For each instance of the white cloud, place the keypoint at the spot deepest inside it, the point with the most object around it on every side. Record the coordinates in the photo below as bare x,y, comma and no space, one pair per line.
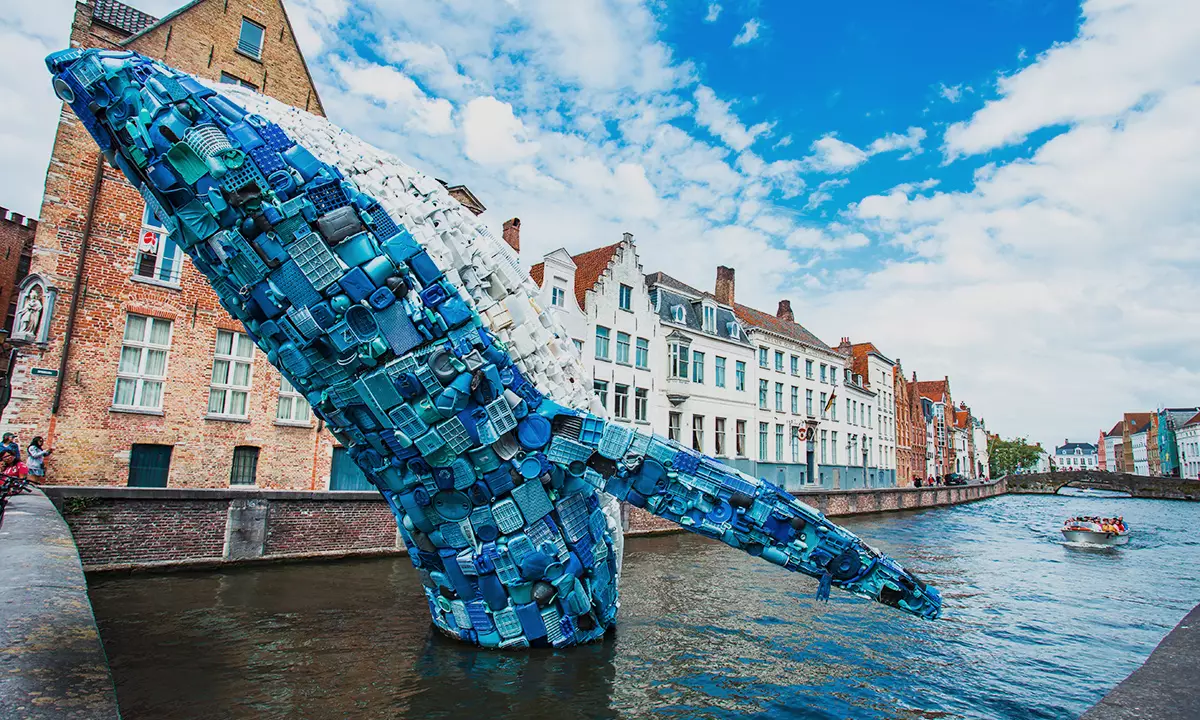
811,238
823,193
952,93
1126,53
429,62
748,32
714,11
828,154
784,141
493,135
714,114
910,141
399,94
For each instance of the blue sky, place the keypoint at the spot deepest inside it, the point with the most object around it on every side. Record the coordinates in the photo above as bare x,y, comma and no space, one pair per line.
1002,192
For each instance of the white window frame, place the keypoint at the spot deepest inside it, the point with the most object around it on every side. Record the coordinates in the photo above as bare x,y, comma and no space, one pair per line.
140,377
625,297
246,49
674,425
621,402
602,340
150,224
558,296
628,343
228,389
698,433
710,319
296,404
641,404
641,353
600,390
719,437
739,438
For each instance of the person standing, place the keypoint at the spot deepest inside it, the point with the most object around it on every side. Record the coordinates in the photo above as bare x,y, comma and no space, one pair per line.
37,455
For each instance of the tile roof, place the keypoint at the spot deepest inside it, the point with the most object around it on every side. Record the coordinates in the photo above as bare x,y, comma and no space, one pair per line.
1116,429
668,293
932,389
1137,422
1193,421
793,330
589,266
121,16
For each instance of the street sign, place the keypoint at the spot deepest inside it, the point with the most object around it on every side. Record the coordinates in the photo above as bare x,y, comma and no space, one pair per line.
44,372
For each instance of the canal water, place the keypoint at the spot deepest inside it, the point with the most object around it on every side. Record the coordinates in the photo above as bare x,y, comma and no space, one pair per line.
1032,629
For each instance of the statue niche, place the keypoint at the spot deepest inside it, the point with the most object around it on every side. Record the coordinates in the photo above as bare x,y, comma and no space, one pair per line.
35,306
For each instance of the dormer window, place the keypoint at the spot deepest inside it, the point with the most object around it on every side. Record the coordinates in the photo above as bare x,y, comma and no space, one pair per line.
735,330
677,313
557,296
710,319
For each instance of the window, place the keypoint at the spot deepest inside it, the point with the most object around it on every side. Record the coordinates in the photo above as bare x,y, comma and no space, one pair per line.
159,257
245,465
778,361
739,371
832,375
293,409
710,319
230,388
740,438
677,356
698,367
600,389
778,443
625,297
870,420
143,364
762,357
762,441
558,296
762,394
833,408
698,433
641,356
795,364
795,400
578,346
833,442
778,397
623,348
641,400
719,371
824,368
808,365
149,465
234,80
808,402
601,342
824,439
824,406
719,437
250,41
735,330
795,444
673,422
677,313
849,415
621,401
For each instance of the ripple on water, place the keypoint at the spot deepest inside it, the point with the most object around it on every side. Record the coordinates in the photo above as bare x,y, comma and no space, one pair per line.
1033,629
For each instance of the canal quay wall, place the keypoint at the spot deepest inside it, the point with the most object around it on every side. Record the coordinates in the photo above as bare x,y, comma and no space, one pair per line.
138,529
53,663
1139,486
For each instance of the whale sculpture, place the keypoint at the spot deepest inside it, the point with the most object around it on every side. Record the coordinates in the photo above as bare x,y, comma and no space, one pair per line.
415,335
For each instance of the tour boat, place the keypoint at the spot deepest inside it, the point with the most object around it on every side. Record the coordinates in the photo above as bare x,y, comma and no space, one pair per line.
1092,531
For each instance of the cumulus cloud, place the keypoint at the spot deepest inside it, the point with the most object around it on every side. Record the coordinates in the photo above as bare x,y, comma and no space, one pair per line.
714,12
429,62
748,32
830,154
909,141
398,92
952,93
493,135
823,193
715,115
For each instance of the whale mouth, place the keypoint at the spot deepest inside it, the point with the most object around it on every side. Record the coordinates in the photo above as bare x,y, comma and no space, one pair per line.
416,337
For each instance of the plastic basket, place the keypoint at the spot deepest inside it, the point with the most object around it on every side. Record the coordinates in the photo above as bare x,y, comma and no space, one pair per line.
532,500
573,516
508,517
316,261
507,624
207,141
614,442
501,416
458,439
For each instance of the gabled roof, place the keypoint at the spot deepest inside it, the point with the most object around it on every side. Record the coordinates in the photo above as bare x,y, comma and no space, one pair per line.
165,19
792,330
932,389
1137,422
962,418
121,16
589,266
668,293
1176,417
1193,421
1116,429
1071,447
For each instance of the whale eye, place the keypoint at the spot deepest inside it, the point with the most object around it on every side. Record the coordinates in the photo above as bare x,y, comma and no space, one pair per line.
63,91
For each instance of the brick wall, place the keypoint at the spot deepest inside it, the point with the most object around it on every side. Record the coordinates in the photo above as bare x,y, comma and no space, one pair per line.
91,441
111,531
16,242
303,526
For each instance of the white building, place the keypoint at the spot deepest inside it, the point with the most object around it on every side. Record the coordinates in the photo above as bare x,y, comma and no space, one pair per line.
1141,461
962,440
1074,456
1187,438
1114,445
876,374
982,470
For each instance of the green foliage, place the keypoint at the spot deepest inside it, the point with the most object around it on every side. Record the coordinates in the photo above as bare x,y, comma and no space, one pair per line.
77,505
1009,456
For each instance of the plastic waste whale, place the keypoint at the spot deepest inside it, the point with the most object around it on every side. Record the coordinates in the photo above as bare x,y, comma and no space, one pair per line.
415,335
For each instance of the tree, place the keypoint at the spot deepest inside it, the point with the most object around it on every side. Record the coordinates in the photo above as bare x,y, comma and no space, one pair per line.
1009,456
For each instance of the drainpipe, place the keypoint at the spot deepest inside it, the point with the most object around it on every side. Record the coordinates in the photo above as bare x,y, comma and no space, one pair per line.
312,485
76,293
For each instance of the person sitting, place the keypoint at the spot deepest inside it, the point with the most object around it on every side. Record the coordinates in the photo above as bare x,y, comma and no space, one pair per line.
9,443
13,470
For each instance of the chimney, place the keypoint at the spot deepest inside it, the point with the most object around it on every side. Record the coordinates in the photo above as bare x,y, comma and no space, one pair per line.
785,311
724,289
844,346
512,234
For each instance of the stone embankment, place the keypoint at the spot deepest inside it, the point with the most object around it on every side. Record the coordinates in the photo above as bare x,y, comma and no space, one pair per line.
1139,486
53,663
120,529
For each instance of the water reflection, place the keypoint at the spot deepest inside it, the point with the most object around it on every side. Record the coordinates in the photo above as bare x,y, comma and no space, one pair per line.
1033,629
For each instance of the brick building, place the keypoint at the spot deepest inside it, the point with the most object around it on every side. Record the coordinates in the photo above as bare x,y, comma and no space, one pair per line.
137,375
938,393
16,247
910,430
1134,423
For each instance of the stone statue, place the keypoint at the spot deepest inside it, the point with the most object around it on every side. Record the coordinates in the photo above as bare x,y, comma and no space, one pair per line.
416,336
29,317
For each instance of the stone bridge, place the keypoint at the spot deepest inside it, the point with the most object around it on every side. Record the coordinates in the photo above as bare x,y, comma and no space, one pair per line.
1139,486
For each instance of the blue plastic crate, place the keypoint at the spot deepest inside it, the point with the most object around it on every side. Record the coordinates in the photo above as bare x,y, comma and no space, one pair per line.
461,617
550,618
430,442
429,381
316,261
594,478
456,436
385,227
464,474
685,462
294,284
247,267
507,624
639,445
275,137
452,533
520,547
480,619
600,573
466,562
614,441
406,363
236,179
88,70
267,160
302,319
398,329
532,499
506,568
598,524
327,196
573,516
592,431
482,517
662,449
511,643
508,517
500,415
564,451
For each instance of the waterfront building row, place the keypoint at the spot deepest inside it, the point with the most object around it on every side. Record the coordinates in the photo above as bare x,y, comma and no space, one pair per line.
1163,443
